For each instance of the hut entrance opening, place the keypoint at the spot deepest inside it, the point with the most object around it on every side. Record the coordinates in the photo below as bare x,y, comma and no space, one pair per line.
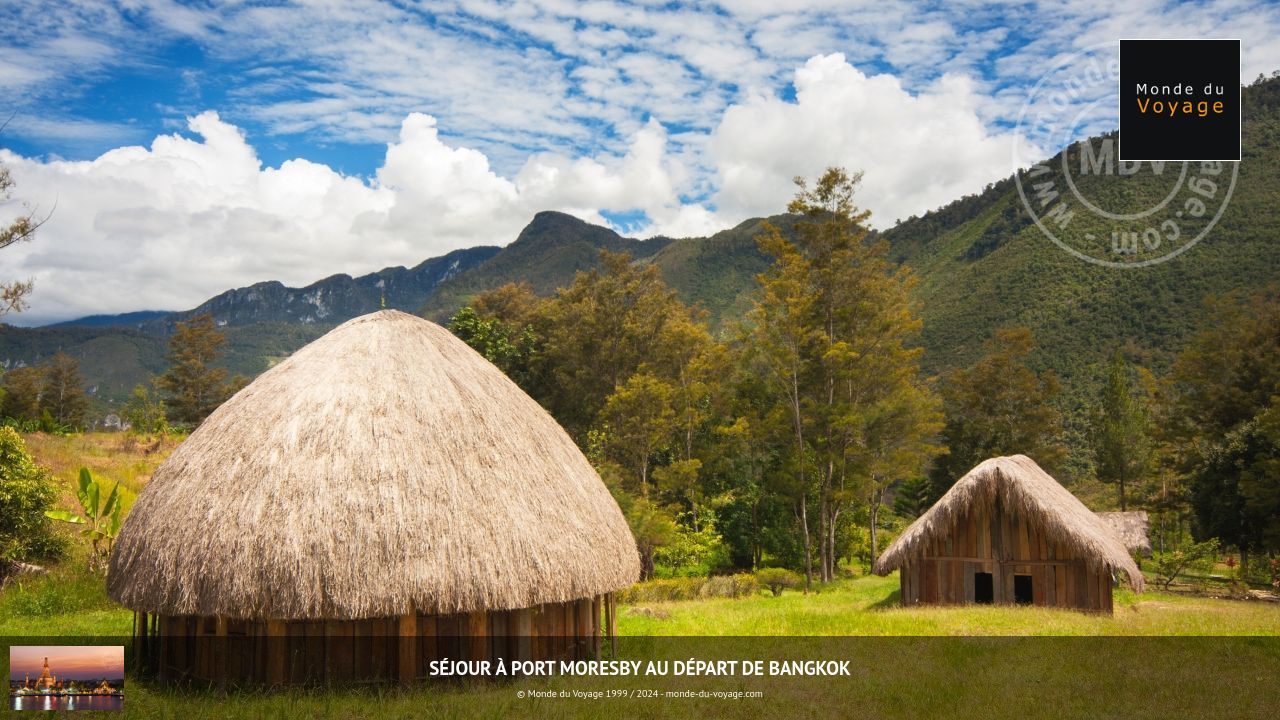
1022,592
983,588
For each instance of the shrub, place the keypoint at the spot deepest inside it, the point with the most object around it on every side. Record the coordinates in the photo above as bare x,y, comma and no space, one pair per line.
729,586
689,588
777,579
691,553
1200,556
25,494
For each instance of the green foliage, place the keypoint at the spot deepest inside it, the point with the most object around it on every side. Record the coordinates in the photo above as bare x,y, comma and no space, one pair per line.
101,518
1122,447
691,552
778,579
144,413
999,406
62,396
831,339
22,386
639,421
194,386
1197,556
61,591
26,492
913,497
49,397
690,588
1225,419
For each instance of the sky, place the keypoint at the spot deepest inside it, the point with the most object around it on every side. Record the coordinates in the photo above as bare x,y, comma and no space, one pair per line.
181,149
67,662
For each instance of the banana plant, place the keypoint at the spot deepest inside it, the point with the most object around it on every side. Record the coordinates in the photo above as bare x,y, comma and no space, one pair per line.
101,519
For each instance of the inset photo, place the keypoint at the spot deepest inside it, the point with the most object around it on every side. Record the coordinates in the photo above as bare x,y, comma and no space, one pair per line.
66,677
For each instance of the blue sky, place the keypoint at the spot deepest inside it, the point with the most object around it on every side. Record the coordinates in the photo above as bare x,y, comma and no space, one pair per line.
192,147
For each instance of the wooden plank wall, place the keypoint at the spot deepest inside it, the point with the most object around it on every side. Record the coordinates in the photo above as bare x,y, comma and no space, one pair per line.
1004,545
220,651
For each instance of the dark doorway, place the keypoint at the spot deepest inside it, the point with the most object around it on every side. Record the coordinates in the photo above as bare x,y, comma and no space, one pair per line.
1022,589
983,588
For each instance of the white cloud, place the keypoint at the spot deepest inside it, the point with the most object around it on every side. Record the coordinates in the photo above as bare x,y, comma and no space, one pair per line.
170,225
917,151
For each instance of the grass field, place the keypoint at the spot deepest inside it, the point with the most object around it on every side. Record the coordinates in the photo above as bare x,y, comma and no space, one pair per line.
917,662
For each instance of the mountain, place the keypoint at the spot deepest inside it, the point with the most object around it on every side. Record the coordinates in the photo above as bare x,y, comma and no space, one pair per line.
980,264
130,319
716,273
263,324
547,253
335,299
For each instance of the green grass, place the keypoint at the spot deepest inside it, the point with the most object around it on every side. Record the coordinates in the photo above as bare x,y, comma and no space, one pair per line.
868,606
112,457
894,677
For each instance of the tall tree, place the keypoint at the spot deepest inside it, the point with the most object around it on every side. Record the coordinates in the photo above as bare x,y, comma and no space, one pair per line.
22,388
833,329
1122,446
500,324
639,421
998,406
63,392
1224,388
193,386
598,332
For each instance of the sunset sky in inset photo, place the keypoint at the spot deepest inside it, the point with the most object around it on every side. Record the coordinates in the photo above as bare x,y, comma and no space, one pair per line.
67,662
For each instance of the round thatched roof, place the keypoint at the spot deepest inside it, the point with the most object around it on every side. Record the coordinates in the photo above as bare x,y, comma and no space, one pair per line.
385,465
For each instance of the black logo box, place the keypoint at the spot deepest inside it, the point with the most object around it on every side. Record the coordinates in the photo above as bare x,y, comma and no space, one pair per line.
1186,68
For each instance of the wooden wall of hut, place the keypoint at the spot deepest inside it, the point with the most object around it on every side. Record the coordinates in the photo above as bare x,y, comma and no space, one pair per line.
221,651
1006,546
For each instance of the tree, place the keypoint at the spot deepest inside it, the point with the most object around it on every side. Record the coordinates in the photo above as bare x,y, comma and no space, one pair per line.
22,388
832,334
1122,447
1223,420
25,494
194,387
144,412
912,497
998,406
639,422
63,393
13,294
598,332
499,324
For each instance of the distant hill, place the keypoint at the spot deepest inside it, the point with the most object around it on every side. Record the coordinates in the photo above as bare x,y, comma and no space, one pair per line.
263,323
550,250
131,319
980,264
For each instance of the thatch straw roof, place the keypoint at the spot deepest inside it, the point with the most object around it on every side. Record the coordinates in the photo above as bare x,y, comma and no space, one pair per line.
1023,487
1131,527
386,465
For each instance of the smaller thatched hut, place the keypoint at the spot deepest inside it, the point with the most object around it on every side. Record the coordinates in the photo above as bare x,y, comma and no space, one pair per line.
1007,532
1132,527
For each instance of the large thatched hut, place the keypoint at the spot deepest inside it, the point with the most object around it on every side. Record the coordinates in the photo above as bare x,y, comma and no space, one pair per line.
382,498
1007,532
